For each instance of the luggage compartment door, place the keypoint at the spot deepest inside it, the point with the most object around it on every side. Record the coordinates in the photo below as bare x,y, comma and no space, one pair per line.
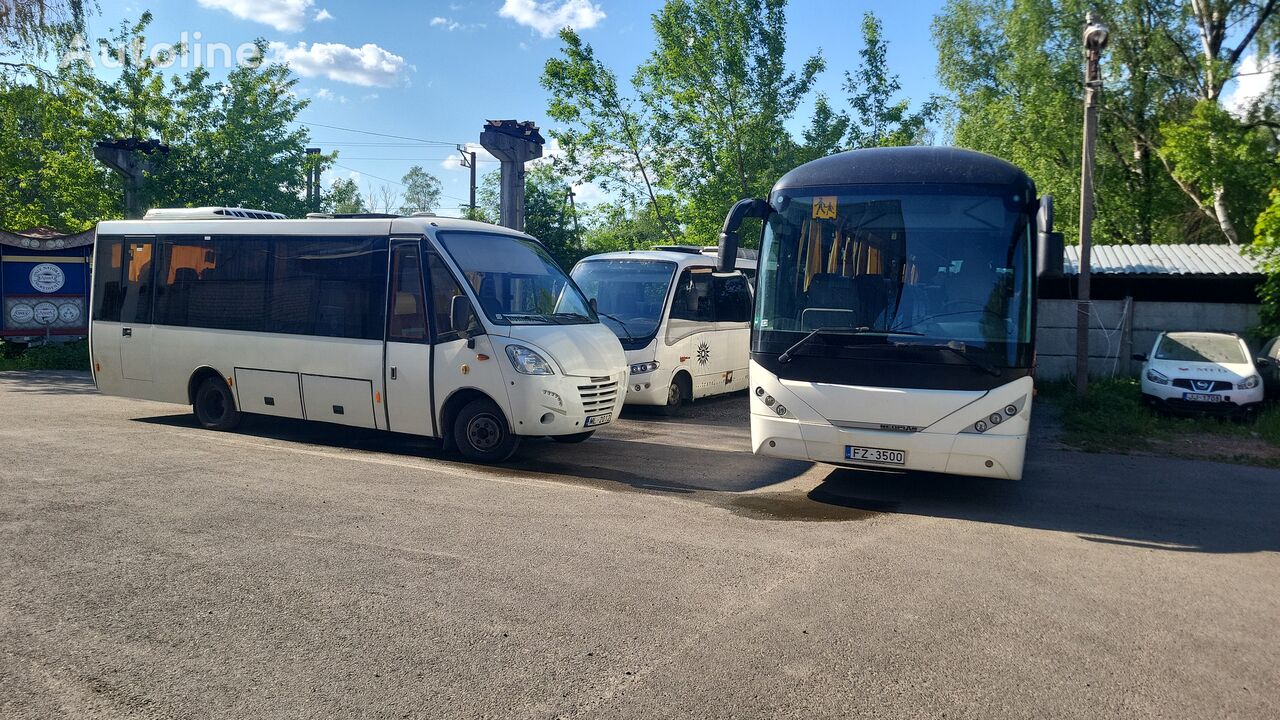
345,401
268,392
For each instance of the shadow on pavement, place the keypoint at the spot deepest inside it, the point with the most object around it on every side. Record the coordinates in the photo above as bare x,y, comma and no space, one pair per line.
1143,502
48,382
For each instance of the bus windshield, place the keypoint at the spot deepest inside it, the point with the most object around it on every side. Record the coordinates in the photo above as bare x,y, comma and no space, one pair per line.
516,281
870,268
630,295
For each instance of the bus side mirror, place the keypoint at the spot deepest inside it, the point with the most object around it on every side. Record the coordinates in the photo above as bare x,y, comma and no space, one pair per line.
459,314
1262,362
729,240
1050,245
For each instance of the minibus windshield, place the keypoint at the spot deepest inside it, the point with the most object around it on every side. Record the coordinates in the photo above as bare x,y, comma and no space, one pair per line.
630,294
516,281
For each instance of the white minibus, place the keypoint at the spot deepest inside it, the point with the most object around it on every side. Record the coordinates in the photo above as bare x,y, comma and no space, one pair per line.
429,326
685,328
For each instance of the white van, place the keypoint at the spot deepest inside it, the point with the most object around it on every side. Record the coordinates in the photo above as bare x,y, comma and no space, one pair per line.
430,326
685,328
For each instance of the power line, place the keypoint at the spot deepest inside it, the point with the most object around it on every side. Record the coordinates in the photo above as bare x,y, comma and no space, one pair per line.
378,134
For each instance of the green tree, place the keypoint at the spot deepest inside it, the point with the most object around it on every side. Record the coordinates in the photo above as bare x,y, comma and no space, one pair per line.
880,118
421,191
1266,247
344,198
616,226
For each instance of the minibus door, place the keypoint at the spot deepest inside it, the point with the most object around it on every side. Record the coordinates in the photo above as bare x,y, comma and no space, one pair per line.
408,349
135,308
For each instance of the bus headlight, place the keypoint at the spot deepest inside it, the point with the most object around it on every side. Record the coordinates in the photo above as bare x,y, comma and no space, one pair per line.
528,362
644,368
1250,383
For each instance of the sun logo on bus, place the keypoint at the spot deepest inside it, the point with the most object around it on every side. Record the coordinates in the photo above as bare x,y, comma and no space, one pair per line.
704,354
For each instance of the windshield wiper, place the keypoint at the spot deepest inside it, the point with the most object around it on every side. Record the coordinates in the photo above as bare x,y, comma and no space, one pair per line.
960,350
620,324
571,316
787,356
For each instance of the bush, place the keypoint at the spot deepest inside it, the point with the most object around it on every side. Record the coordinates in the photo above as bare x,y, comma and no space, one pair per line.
64,356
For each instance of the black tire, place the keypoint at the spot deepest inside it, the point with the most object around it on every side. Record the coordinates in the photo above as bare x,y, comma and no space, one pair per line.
677,395
482,435
575,438
215,407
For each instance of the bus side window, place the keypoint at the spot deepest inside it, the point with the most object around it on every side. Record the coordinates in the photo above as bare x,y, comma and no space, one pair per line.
136,295
108,291
444,288
408,309
733,299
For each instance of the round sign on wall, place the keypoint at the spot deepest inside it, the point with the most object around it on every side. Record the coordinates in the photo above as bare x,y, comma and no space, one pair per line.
46,313
21,314
68,313
47,278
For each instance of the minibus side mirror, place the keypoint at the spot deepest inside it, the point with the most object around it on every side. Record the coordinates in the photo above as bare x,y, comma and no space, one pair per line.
729,240
460,314
1050,245
1140,357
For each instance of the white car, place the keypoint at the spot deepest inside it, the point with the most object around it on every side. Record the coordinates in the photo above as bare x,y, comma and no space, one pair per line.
1201,373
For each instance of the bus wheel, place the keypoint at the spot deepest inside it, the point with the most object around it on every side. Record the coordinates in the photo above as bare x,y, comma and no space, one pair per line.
214,407
573,439
677,395
482,434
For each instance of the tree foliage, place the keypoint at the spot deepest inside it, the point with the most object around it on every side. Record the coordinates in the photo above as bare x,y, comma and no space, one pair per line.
549,216
421,191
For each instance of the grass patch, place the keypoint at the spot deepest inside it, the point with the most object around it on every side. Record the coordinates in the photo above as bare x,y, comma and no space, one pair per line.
1112,418
64,356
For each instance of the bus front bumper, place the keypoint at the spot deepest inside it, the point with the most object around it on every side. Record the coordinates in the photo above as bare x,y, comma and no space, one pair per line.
989,455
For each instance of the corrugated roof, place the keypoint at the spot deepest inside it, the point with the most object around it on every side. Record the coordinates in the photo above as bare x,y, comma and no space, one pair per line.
1163,260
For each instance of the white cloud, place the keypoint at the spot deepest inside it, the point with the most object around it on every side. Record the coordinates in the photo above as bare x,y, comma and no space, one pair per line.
366,65
324,94
548,17
1254,81
322,16
283,15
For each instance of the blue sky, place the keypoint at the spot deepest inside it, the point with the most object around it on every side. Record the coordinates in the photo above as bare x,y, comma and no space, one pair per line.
437,69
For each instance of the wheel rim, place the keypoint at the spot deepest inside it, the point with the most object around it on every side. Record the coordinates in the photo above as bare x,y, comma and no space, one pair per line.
484,432
673,395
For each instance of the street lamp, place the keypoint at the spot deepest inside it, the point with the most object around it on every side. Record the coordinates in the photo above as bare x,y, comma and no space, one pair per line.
1095,42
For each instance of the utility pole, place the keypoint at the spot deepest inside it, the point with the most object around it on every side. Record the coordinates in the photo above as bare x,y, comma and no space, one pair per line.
1095,41
469,161
313,179
133,159
573,208
513,143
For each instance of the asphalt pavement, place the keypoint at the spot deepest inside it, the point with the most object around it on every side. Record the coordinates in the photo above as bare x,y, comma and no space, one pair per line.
151,569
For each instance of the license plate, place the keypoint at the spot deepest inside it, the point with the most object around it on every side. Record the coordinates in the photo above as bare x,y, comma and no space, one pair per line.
1202,397
599,420
875,455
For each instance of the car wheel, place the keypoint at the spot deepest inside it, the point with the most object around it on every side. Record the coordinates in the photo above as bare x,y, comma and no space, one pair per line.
575,438
482,435
215,406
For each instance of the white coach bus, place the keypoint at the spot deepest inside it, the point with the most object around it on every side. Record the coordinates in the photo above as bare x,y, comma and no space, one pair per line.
429,326
895,315
685,328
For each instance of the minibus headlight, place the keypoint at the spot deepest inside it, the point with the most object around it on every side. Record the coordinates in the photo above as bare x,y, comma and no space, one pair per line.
1250,383
644,368
528,362
1157,377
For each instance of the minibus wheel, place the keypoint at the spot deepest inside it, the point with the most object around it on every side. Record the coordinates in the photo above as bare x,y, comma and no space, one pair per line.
573,439
214,405
482,434
677,395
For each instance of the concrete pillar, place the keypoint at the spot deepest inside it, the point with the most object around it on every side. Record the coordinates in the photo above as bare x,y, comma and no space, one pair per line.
514,144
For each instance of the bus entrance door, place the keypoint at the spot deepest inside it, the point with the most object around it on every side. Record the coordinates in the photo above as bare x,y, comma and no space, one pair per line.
408,372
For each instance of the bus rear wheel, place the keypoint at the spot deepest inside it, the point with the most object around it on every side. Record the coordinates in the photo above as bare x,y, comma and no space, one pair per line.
214,405
482,434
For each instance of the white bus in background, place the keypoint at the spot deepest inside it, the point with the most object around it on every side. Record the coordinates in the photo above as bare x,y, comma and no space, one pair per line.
895,319
429,326
685,328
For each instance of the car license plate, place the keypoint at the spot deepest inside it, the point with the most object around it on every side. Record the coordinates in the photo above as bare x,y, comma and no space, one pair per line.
1202,397
875,455
599,420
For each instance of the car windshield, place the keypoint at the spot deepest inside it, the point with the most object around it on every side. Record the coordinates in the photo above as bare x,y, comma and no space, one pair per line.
887,267
1201,348
630,294
516,281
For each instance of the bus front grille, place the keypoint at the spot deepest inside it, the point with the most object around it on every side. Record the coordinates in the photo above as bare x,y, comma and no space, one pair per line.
599,396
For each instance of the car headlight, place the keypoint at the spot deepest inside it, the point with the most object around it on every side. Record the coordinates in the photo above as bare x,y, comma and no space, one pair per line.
644,368
1249,383
1157,377
528,362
